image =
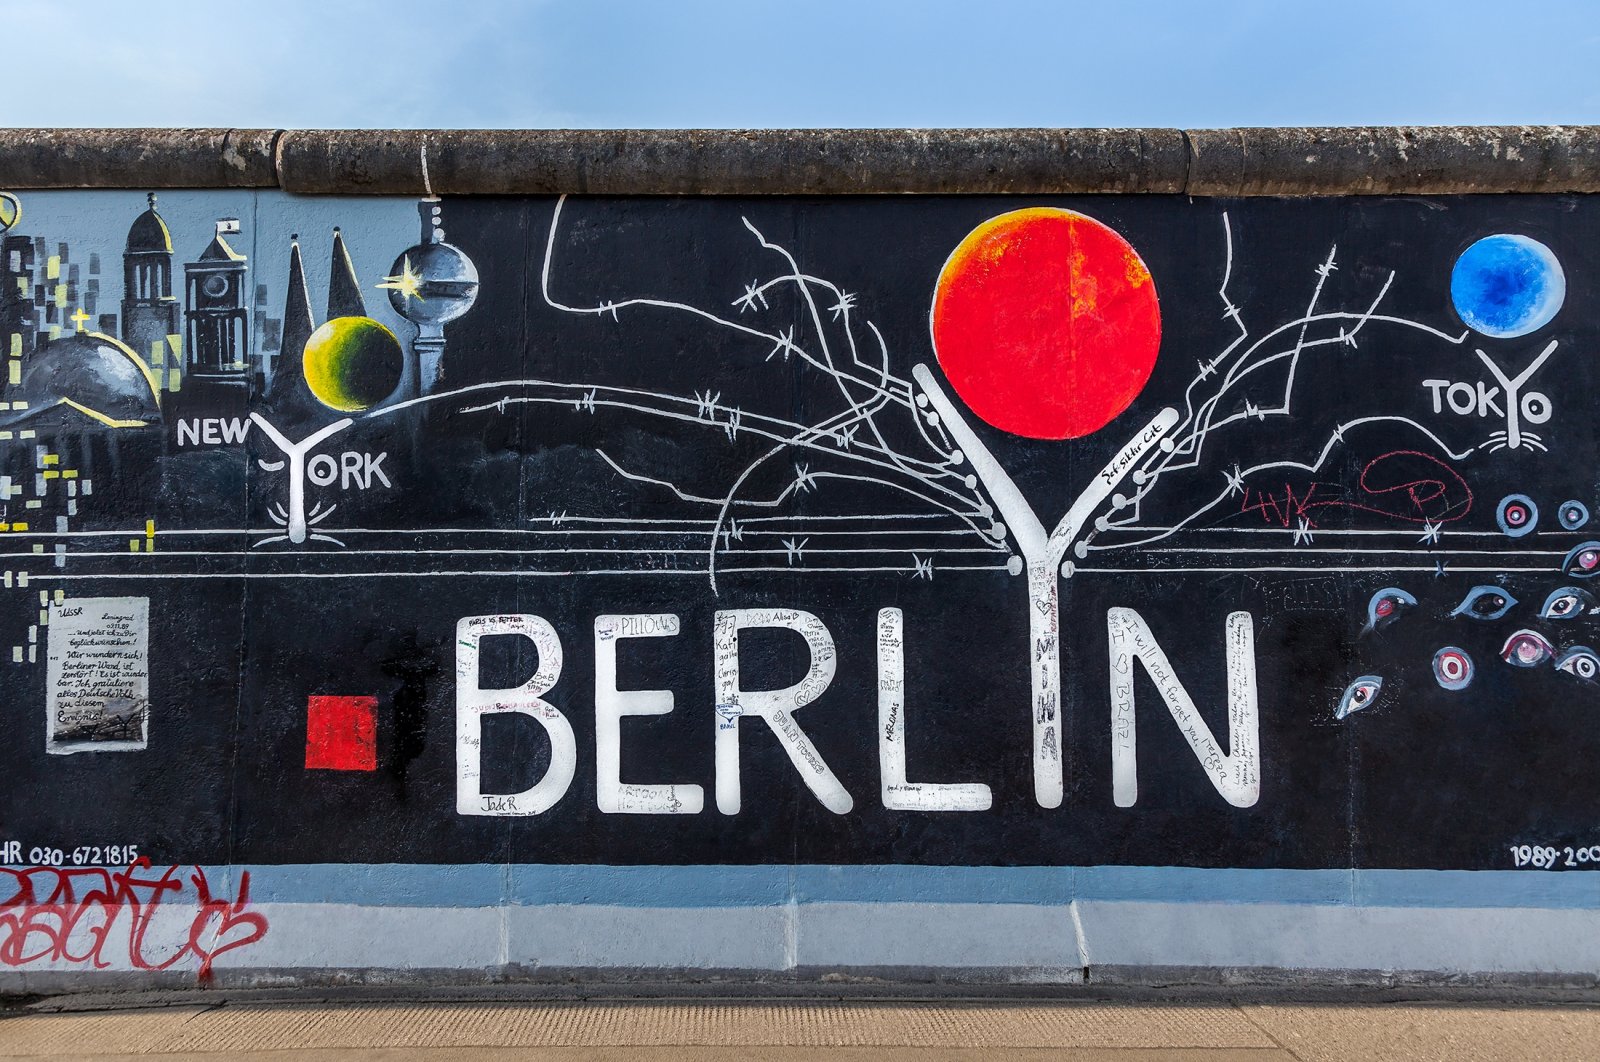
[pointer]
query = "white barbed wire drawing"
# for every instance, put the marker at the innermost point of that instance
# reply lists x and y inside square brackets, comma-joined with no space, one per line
[1213,402]
[877,437]
[948,504]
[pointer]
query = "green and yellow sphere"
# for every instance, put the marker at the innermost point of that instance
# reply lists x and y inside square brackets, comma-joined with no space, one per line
[353,363]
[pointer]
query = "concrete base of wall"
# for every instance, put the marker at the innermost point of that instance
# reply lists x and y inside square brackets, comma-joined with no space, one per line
[932,926]
[909,943]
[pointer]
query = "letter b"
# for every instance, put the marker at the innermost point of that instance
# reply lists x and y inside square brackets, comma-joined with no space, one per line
[473,703]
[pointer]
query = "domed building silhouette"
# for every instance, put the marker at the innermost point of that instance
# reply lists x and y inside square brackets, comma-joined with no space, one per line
[84,381]
[149,240]
[149,309]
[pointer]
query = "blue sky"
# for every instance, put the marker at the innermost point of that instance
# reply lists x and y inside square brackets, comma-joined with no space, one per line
[719,63]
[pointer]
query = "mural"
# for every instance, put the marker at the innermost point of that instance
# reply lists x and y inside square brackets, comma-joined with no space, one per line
[952,531]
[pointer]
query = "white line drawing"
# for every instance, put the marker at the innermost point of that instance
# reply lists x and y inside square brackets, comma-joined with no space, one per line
[948,506]
[883,435]
[1239,360]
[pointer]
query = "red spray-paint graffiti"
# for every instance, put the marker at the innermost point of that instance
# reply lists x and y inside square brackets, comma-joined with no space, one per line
[1407,485]
[89,914]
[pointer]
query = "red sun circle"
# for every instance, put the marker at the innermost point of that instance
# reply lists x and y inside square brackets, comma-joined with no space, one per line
[1046,323]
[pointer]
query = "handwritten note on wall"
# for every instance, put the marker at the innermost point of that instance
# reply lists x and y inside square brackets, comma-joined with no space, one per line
[98,694]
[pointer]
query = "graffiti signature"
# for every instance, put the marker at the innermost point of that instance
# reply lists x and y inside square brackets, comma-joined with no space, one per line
[80,915]
[1406,485]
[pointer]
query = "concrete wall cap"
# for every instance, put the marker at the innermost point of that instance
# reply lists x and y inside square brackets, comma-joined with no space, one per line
[1203,162]
[137,158]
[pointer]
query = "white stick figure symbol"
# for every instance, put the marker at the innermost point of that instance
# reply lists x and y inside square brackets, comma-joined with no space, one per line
[295,519]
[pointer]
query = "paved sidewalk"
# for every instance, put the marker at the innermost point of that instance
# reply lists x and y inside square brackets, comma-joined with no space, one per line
[805,1029]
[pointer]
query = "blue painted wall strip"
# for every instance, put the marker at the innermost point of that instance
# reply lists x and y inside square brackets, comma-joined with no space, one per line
[427,885]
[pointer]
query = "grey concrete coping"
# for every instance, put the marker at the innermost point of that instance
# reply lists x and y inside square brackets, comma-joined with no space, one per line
[1205,162]
[137,158]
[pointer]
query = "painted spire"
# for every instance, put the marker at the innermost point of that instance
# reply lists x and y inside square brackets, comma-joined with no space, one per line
[344,290]
[288,378]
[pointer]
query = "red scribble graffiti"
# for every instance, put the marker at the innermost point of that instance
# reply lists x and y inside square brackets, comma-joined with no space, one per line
[1282,510]
[1404,485]
[81,915]
[1437,492]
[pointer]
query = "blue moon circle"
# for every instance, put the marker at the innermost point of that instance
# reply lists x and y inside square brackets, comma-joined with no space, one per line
[1506,286]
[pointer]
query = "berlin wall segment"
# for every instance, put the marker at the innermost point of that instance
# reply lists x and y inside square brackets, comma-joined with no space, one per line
[953,532]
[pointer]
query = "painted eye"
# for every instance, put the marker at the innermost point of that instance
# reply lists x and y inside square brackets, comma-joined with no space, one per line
[1581,661]
[1582,561]
[1517,515]
[1452,668]
[1385,607]
[1566,602]
[1573,515]
[1485,603]
[1526,649]
[1358,695]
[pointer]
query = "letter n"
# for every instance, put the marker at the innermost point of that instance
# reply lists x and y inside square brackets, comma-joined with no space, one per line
[1235,774]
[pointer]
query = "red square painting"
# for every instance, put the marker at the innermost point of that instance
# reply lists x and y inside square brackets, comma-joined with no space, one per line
[342,733]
